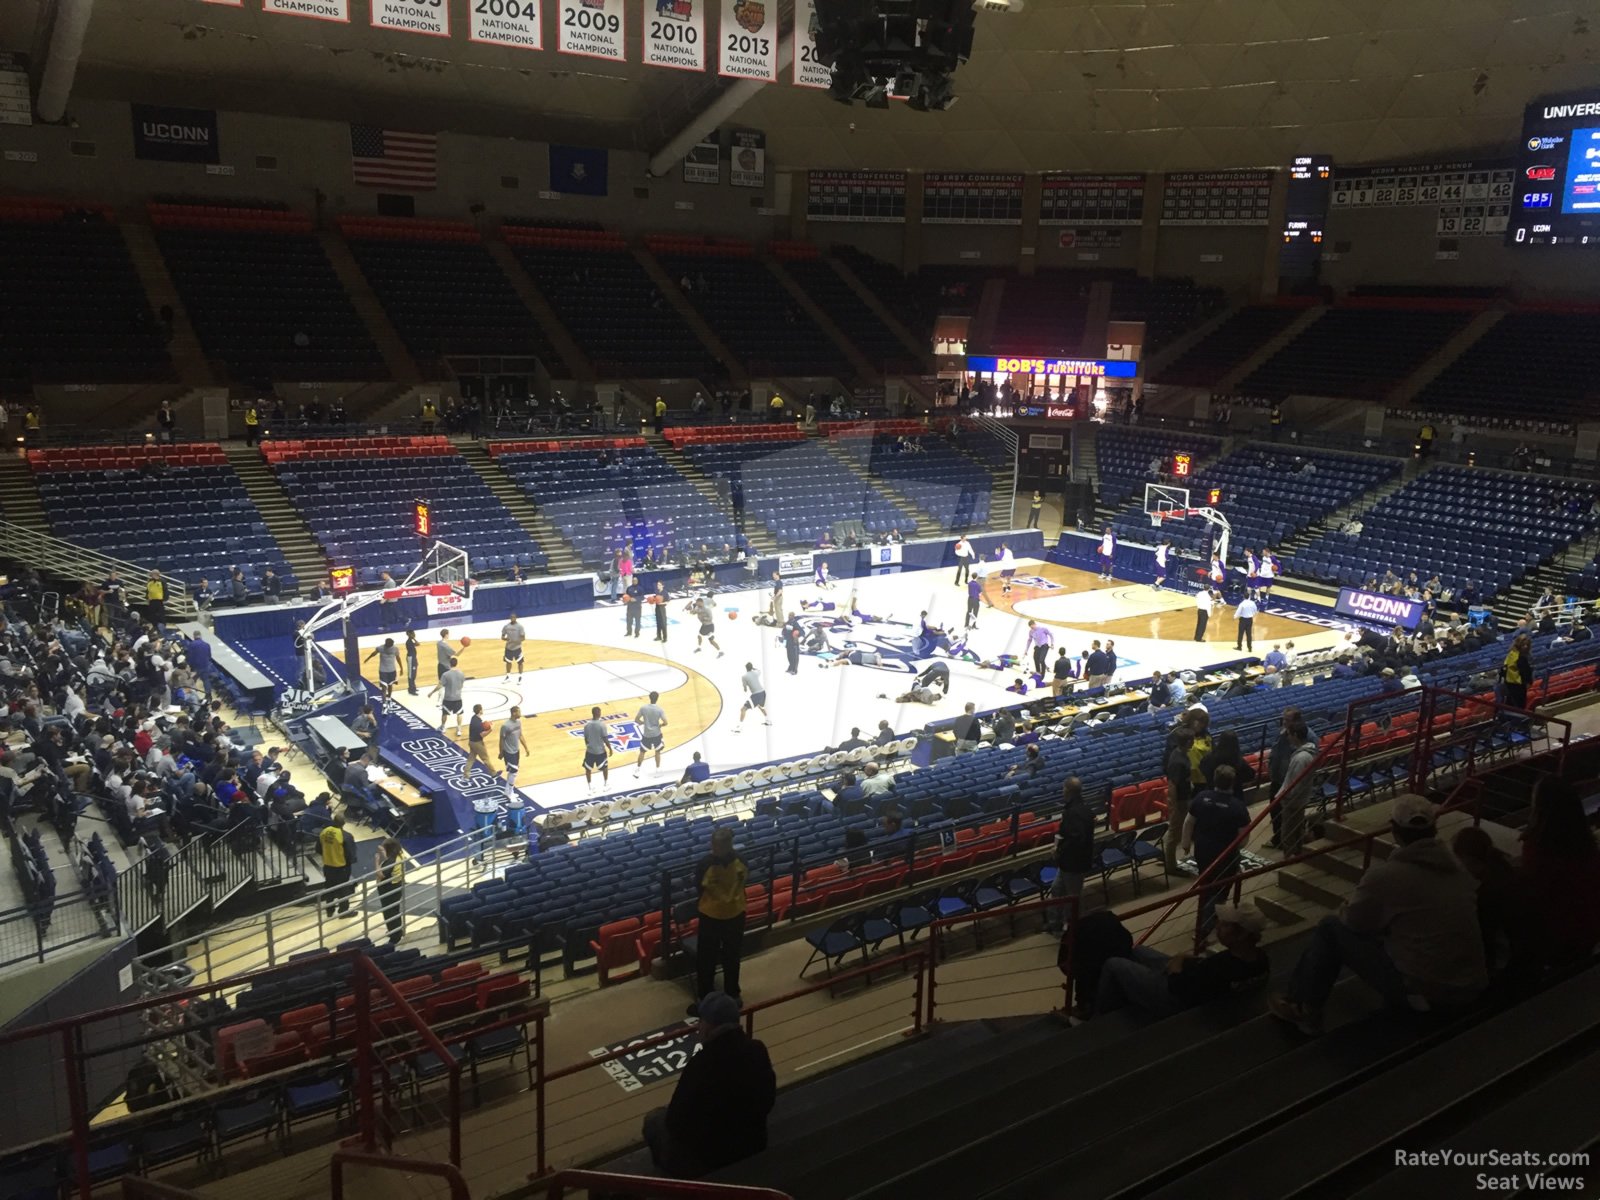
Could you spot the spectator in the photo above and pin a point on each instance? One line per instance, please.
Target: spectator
(1217, 816)
(1004, 727)
(1501, 911)
(876, 781)
(391, 888)
(1410, 930)
(720, 879)
(1158, 986)
(1225, 752)
(696, 772)
(1562, 874)
(1030, 766)
(1294, 795)
(1516, 672)
(967, 729)
(718, 1112)
(338, 850)
(1073, 852)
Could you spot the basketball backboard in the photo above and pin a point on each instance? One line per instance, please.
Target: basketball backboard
(1161, 499)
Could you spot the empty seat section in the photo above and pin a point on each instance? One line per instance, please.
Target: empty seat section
(939, 480)
(1541, 365)
(906, 297)
(617, 492)
(443, 291)
(71, 304)
(261, 294)
(1359, 352)
(179, 509)
(1228, 345)
(1124, 455)
(763, 326)
(1043, 314)
(1466, 525)
(877, 343)
(1168, 307)
(357, 496)
(609, 304)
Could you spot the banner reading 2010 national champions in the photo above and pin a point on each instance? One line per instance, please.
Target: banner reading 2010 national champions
(747, 39)
(675, 34)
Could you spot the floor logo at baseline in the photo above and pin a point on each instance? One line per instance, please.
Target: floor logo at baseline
(1037, 583)
(623, 729)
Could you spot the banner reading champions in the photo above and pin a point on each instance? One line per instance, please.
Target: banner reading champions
(748, 40)
(675, 35)
(808, 72)
(507, 23)
(592, 28)
(321, 10)
(431, 17)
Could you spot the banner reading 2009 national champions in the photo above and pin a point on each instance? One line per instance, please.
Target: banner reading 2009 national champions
(747, 39)
(593, 28)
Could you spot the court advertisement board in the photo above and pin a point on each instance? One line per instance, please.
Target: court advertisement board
(1374, 606)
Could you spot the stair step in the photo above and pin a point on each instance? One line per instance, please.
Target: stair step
(1310, 885)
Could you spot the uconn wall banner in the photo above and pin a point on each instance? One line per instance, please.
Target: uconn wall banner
(1391, 610)
(187, 135)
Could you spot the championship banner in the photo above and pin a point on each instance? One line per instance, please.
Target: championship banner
(1217, 198)
(16, 97)
(748, 40)
(518, 23)
(1422, 183)
(703, 163)
(431, 17)
(675, 37)
(225, 3)
(593, 29)
(320, 10)
(747, 148)
(184, 135)
(808, 72)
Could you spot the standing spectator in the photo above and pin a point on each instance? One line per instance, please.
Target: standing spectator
(155, 599)
(338, 851)
(1035, 506)
(1561, 866)
(1278, 765)
(967, 729)
(1245, 615)
(963, 552)
(720, 881)
(1202, 613)
(165, 421)
(1062, 673)
(660, 413)
(271, 586)
(252, 424)
(1216, 817)
(625, 567)
(1073, 851)
(1410, 930)
(1179, 789)
(1295, 793)
(1516, 672)
(718, 1112)
(392, 888)
(1225, 752)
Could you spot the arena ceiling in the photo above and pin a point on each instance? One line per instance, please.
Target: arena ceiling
(1065, 85)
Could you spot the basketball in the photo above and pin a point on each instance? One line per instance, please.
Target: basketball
(731, 613)
(465, 642)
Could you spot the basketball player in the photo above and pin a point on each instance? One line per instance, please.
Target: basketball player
(512, 744)
(822, 579)
(650, 718)
(1202, 613)
(388, 656)
(445, 652)
(1252, 572)
(1163, 557)
(756, 695)
(597, 748)
(451, 683)
(1269, 574)
(477, 747)
(1108, 548)
(1217, 575)
(708, 631)
(512, 634)
(1008, 568)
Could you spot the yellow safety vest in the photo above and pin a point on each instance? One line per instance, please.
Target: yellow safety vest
(331, 840)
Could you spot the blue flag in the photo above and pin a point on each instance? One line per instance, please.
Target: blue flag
(578, 169)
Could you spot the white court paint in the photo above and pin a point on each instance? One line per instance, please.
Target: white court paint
(811, 710)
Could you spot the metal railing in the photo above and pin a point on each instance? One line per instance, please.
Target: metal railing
(606, 1183)
(34, 932)
(276, 935)
(61, 557)
(209, 869)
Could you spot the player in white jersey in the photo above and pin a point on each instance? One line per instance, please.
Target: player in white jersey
(1163, 563)
(1108, 548)
(1269, 571)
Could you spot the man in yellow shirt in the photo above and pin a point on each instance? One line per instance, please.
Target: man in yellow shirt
(660, 414)
(338, 853)
(252, 424)
(720, 878)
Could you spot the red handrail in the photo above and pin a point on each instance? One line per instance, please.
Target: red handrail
(605, 1182)
(450, 1173)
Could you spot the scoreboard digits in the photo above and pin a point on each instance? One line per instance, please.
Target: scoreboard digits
(422, 512)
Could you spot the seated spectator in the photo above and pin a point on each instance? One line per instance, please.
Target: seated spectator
(1157, 986)
(1410, 930)
(696, 772)
(1502, 913)
(876, 781)
(1030, 766)
(854, 742)
(718, 1112)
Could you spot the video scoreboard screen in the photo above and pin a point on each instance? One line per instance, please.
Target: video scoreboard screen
(870, 197)
(1085, 200)
(1305, 212)
(1558, 174)
(963, 198)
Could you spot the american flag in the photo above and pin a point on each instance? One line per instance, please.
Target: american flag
(394, 159)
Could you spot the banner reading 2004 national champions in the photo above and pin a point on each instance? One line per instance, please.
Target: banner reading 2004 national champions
(747, 40)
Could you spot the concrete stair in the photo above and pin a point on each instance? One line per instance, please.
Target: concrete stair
(754, 530)
(534, 301)
(669, 288)
(824, 321)
(560, 554)
(19, 498)
(1231, 381)
(868, 297)
(305, 557)
(926, 526)
(397, 359)
(1411, 386)
(188, 356)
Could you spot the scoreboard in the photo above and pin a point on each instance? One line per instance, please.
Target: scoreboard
(959, 198)
(870, 197)
(1217, 198)
(422, 517)
(1557, 200)
(1085, 200)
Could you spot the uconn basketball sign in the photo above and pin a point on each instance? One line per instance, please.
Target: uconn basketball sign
(185, 135)
(1391, 610)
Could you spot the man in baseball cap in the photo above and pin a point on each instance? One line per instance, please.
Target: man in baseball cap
(1159, 986)
(718, 1112)
(1410, 929)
